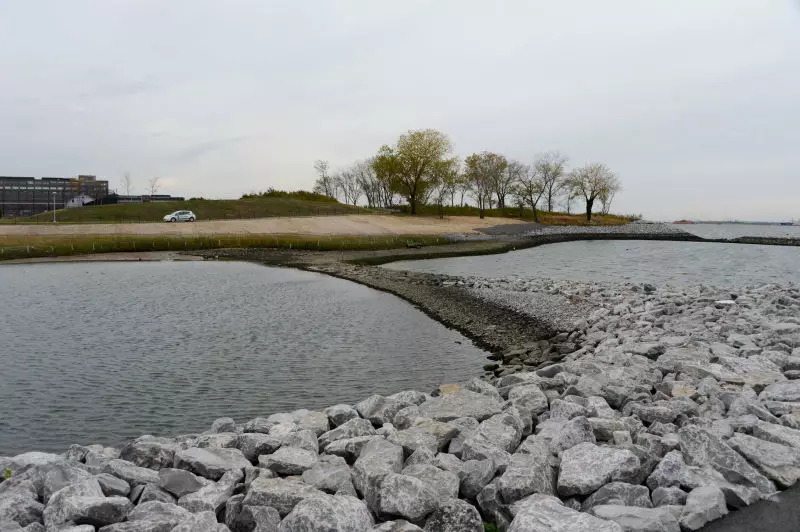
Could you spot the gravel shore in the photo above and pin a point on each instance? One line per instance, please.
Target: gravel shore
(609, 408)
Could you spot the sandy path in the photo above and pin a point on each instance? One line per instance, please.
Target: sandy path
(311, 225)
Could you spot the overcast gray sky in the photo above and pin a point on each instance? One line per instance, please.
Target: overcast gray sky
(694, 103)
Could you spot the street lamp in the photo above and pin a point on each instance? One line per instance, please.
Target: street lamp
(54, 207)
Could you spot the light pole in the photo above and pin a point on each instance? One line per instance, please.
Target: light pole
(54, 207)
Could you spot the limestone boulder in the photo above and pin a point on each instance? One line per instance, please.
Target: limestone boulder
(700, 447)
(703, 504)
(328, 512)
(460, 403)
(543, 513)
(587, 467)
(407, 497)
(210, 463)
(454, 515)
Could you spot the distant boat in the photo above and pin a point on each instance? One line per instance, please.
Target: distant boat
(683, 222)
(789, 223)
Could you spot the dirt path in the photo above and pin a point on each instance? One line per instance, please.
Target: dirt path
(311, 225)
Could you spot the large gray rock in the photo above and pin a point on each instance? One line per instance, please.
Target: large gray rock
(200, 521)
(542, 513)
(132, 474)
(467, 427)
(528, 473)
(787, 391)
(241, 518)
(316, 422)
(83, 503)
(112, 485)
(422, 456)
(153, 516)
(668, 497)
(339, 414)
(454, 515)
(701, 448)
(460, 403)
(477, 448)
(586, 467)
(302, 439)
(530, 397)
(352, 428)
(703, 504)
(777, 462)
(378, 459)
(150, 451)
(575, 431)
(503, 430)
(331, 475)
(19, 501)
(474, 475)
(279, 493)
(379, 409)
(213, 496)
(350, 449)
(425, 434)
(444, 483)
(638, 519)
(619, 494)
(151, 492)
(288, 461)
(668, 472)
(254, 444)
(180, 482)
(210, 463)
(328, 512)
(566, 410)
(777, 434)
(49, 478)
(406, 497)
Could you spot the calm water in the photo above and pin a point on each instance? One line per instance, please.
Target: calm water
(737, 230)
(103, 352)
(676, 263)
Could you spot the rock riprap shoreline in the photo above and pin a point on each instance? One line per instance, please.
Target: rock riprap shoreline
(663, 410)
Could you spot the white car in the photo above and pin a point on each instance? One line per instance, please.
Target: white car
(180, 216)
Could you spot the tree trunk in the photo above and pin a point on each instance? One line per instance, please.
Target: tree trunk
(413, 202)
(589, 204)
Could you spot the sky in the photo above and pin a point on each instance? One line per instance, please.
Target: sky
(695, 104)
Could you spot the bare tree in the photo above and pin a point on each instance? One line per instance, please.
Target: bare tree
(508, 180)
(324, 184)
(606, 197)
(127, 183)
(347, 182)
(153, 185)
(592, 181)
(482, 171)
(550, 167)
(530, 188)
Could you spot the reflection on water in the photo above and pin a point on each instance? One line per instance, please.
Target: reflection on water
(678, 263)
(109, 351)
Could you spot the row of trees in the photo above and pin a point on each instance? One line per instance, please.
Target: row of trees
(422, 169)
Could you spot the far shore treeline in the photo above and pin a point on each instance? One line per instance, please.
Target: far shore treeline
(422, 169)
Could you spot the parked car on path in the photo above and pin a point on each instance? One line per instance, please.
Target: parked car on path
(180, 216)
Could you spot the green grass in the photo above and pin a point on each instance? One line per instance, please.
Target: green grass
(261, 207)
(57, 246)
(547, 218)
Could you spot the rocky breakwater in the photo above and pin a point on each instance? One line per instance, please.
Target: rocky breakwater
(673, 408)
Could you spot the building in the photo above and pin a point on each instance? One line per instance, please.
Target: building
(26, 196)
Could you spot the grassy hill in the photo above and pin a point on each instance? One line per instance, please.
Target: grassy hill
(204, 209)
